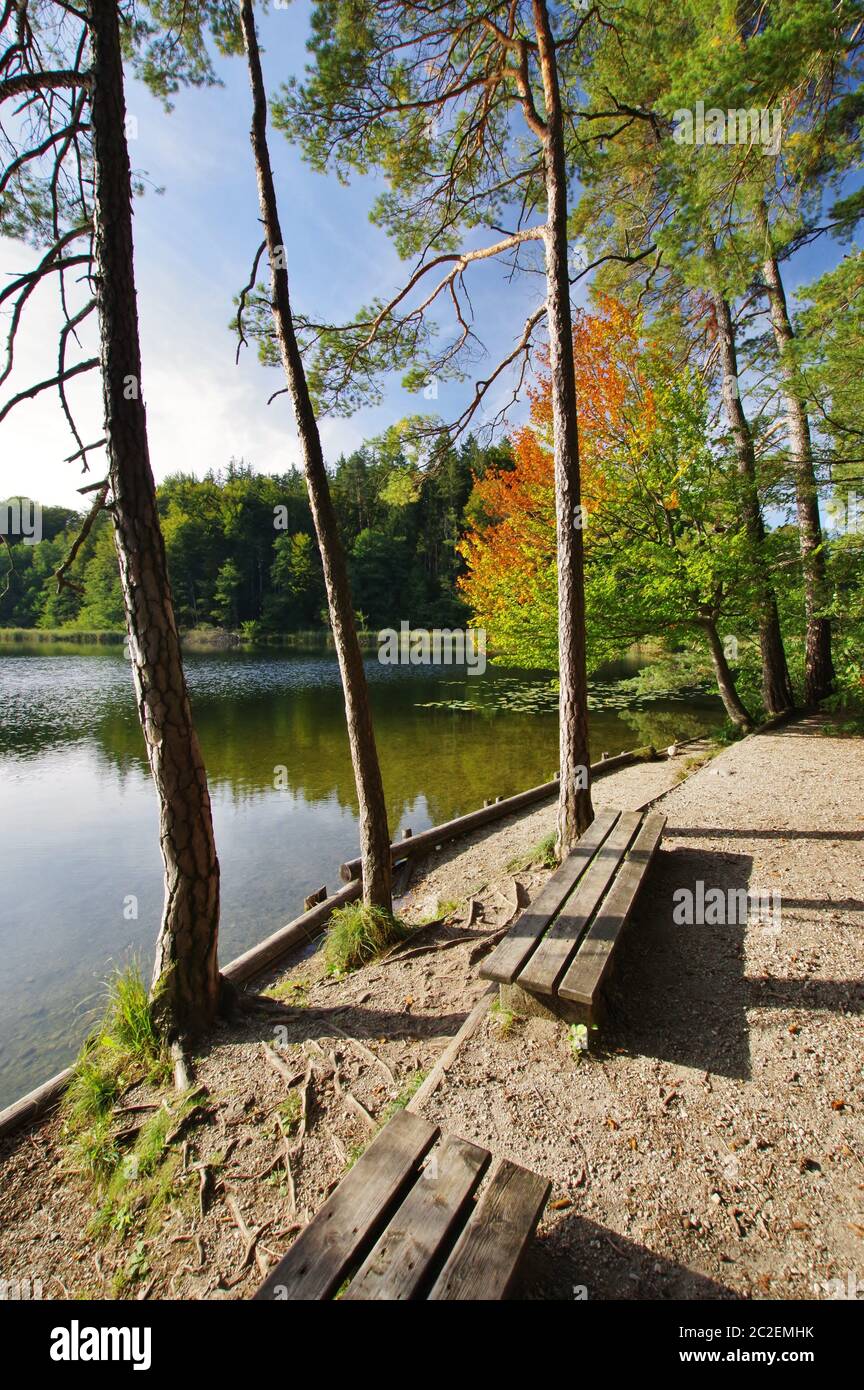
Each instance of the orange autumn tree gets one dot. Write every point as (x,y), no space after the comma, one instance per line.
(666,553)
(511,582)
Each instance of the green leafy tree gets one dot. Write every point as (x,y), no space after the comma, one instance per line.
(380,567)
(297,592)
(226,594)
(665,546)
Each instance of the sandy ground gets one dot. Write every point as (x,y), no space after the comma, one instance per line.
(707,1149)
(714,1147)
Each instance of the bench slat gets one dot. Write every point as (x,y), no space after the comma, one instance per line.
(583,979)
(545,967)
(485,1259)
(512,952)
(353,1217)
(413,1246)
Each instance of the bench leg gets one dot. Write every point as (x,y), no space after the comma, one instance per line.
(517,1000)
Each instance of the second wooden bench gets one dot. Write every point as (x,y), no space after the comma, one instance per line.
(559,949)
(404,1224)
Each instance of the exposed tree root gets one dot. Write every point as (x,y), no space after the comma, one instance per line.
(367,1054)
(249,1237)
(289,1077)
(182,1065)
(350,1101)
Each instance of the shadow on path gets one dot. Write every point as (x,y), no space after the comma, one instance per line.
(690,832)
(578,1255)
(680,992)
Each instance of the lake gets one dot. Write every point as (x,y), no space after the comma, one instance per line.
(79,852)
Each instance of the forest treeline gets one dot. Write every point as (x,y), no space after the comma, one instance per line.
(242,552)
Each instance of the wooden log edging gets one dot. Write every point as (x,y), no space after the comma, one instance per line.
(304,928)
(431,1083)
(35,1104)
(497,810)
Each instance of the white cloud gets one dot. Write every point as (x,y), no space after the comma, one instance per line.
(201,408)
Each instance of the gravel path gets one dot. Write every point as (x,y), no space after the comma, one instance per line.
(713,1148)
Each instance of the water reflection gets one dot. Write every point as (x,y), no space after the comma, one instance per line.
(79,823)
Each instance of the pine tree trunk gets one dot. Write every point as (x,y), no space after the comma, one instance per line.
(725,680)
(575,811)
(818,663)
(777,692)
(374,834)
(186,985)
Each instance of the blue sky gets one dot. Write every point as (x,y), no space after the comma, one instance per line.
(194,247)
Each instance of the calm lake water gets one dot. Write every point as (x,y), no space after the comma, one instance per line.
(79,830)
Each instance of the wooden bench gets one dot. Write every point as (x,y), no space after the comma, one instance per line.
(401,1228)
(556,954)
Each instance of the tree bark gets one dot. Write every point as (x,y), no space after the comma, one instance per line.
(725,680)
(186,985)
(818,662)
(777,694)
(374,834)
(575,811)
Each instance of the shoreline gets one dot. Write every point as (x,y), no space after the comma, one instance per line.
(308,927)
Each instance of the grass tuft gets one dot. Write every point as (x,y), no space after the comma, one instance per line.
(127,1028)
(541,855)
(146,1178)
(290,1110)
(136,1169)
(358,934)
(408,1091)
(505,1019)
(93,1148)
(293,992)
(93,1089)
(124,1047)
